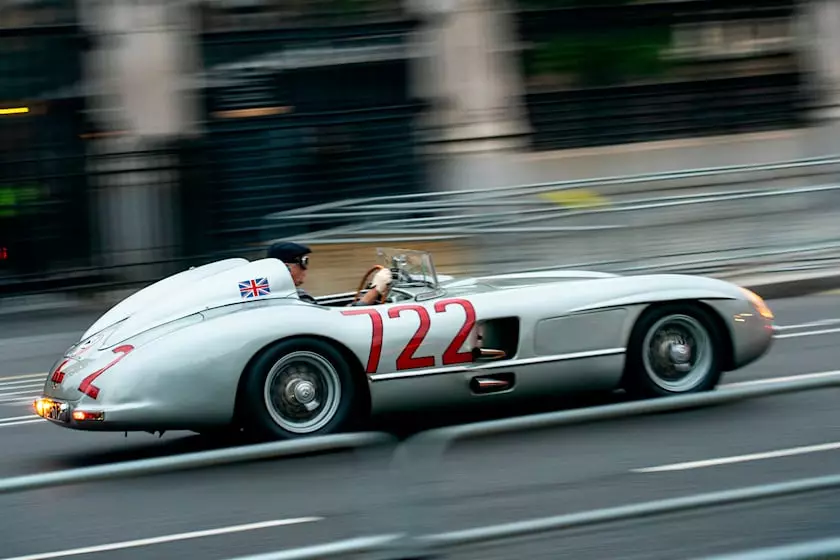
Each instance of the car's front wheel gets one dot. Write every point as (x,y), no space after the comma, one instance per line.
(673,349)
(297,388)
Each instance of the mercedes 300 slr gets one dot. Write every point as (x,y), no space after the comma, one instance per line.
(231,345)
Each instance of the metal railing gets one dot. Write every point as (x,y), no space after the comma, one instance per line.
(728,174)
(784,212)
(412,459)
(810,550)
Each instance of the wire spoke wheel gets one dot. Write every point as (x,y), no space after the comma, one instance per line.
(302,392)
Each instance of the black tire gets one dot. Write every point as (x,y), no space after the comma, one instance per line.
(641,381)
(265,422)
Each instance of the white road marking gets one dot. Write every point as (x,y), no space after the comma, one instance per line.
(799,377)
(42,376)
(18,400)
(21,383)
(10,393)
(800,326)
(16,418)
(20,393)
(807,333)
(7,424)
(168,538)
(15,401)
(741,458)
(25,389)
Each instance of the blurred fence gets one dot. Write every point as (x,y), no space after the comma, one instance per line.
(777,217)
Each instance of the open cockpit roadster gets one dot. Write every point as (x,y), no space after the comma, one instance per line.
(231,344)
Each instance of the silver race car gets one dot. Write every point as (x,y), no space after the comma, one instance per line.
(230,345)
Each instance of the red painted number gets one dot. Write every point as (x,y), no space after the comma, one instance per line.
(376,337)
(451,355)
(87,387)
(407,359)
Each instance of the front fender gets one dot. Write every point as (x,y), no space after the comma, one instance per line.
(192,375)
(647,297)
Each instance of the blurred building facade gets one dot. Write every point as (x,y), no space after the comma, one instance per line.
(137,137)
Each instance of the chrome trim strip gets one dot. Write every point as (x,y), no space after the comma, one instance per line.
(505,364)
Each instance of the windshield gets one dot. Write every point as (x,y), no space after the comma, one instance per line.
(415,267)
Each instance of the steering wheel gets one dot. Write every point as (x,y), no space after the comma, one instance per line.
(364,281)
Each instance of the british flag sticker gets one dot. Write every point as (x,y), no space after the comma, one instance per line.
(254,288)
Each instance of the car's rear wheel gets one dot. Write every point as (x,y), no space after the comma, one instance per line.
(297,388)
(674,349)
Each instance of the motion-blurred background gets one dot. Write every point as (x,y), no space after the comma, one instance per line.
(140,137)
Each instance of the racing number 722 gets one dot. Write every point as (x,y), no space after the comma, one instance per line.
(407,359)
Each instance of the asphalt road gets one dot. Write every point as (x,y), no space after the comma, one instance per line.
(245,509)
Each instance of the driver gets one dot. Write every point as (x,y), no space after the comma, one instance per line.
(296,258)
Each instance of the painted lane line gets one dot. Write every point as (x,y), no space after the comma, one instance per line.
(167,538)
(7,424)
(21,383)
(29,398)
(42,376)
(16,418)
(25,399)
(15,395)
(17,400)
(807,333)
(27,392)
(741,458)
(800,326)
(799,377)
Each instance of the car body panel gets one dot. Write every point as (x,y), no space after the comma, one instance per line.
(163,289)
(172,357)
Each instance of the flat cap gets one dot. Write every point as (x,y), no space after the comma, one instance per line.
(287,251)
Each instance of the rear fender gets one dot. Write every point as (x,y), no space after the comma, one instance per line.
(200,366)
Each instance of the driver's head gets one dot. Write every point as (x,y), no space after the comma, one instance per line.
(295,256)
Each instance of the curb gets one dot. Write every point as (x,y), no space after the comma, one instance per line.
(795,287)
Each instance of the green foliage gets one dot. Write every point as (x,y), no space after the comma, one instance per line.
(593,56)
(600,58)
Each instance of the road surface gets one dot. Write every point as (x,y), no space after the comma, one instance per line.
(245,509)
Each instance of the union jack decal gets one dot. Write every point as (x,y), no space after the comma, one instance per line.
(254,288)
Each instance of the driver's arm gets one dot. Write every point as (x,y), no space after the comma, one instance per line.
(382,281)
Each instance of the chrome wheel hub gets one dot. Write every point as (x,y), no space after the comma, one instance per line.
(302,392)
(677,353)
(680,356)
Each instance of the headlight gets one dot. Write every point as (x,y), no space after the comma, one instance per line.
(759,304)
